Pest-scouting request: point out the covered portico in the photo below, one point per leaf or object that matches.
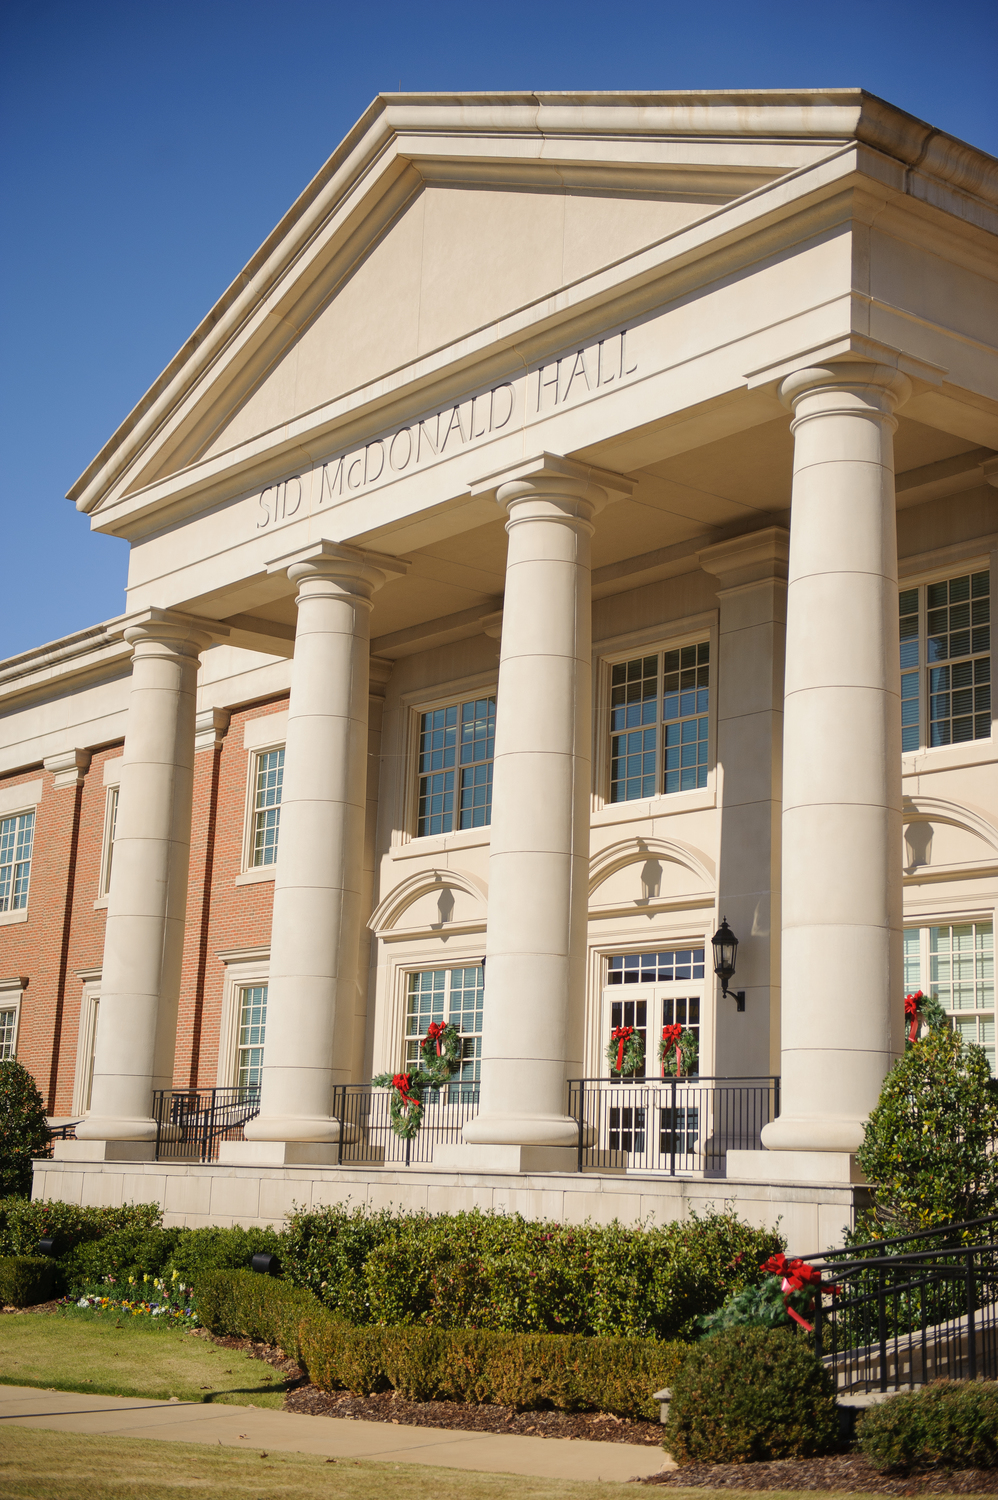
(519, 372)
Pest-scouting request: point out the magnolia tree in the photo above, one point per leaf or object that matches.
(23, 1129)
(930, 1145)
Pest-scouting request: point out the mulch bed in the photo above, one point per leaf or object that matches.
(845, 1472)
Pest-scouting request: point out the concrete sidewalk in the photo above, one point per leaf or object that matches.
(252, 1427)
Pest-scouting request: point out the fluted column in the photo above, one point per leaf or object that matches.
(842, 927)
(320, 857)
(144, 938)
(539, 858)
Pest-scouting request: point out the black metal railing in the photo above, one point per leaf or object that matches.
(190, 1123)
(65, 1132)
(669, 1125)
(366, 1135)
(904, 1311)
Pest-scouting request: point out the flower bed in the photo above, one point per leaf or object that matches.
(165, 1299)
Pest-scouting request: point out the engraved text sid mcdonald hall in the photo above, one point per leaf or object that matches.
(517, 402)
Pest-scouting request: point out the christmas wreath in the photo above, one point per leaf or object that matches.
(625, 1051)
(925, 1007)
(684, 1043)
(441, 1051)
(407, 1100)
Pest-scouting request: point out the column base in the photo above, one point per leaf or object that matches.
(277, 1153)
(321, 1131)
(522, 1130)
(794, 1166)
(814, 1133)
(103, 1150)
(492, 1158)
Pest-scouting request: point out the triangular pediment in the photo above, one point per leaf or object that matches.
(439, 219)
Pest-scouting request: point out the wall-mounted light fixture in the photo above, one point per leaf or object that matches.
(725, 946)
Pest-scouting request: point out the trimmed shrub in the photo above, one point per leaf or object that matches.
(506, 1273)
(26, 1280)
(927, 1144)
(24, 1131)
(23, 1223)
(568, 1372)
(257, 1307)
(751, 1394)
(948, 1425)
(198, 1251)
(128, 1252)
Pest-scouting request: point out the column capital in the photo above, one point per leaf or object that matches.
(69, 768)
(854, 385)
(352, 568)
(549, 477)
(189, 634)
(743, 560)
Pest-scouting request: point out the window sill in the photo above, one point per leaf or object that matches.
(8, 918)
(440, 843)
(256, 877)
(101, 903)
(654, 807)
(949, 757)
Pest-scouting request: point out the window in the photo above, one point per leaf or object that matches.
(659, 723)
(252, 1030)
(8, 1033)
(88, 1076)
(946, 661)
(668, 990)
(16, 835)
(459, 995)
(455, 766)
(269, 780)
(955, 965)
(110, 825)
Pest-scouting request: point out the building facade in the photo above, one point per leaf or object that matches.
(576, 525)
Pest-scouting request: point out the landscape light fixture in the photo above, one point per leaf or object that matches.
(725, 946)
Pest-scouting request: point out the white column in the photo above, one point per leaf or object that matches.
(842, 972)
(144, 938)
(320, 858)
(539, 858)
(748, 677)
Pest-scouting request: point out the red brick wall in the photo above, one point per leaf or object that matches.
(64, 932)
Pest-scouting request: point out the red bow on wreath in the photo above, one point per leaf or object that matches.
(621, 1035)
(434, 1032)
(796, 1276)
(670, 1036)
(911, 1008)
(402, 1083)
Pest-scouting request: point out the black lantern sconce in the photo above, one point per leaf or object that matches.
(725, 946)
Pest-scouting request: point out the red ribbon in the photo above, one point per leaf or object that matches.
(402, 1083)
(911, 1009)
(434, 1032)
(621, 1036)
(796, 1275)
(670, 1036)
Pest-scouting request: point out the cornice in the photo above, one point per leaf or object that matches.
(832, 118)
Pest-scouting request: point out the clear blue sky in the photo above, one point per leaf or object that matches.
(148, 147)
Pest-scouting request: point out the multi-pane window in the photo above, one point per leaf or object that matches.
(946, 661)
(456, 746)
(267, 806)
(632, 1013)
(110, 828)
(8, 1033)
(954, 963)
(457, 996)
(252, 1030)
(656, 968)
(659, 723)
(16, 835)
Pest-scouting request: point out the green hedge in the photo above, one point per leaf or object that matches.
(748, 1395)
(23, 1223)
(565, 1371)
(948, 1425)
(509, 1274)
(26, 1280)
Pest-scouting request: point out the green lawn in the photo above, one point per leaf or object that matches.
(111, 1355)
(40, 1465)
